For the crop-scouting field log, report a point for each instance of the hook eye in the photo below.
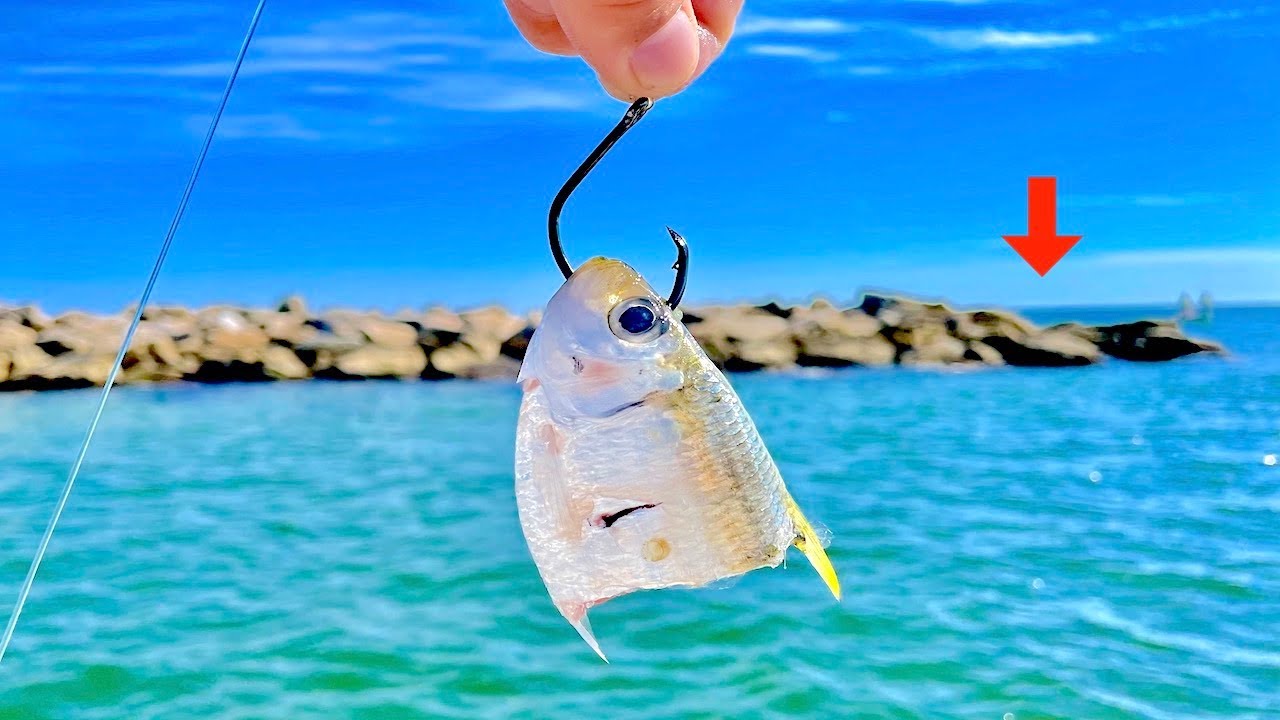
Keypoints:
(632, 116)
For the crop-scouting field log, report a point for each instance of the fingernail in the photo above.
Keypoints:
(708, 50)
(667, 59)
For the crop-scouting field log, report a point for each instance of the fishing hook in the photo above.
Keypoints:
(633, 115)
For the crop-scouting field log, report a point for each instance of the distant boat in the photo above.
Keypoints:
(1206, 306)
(1188, 312)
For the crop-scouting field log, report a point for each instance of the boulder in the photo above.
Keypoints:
(442, 320)
(378, 362)
(1150, 341)
(491, 323)
(389, 333)
(15, 335)
(1048, 348)
(844, 352)
(232, 350)
(183, 329)
(328, 342)
(27, 362)
(829, 320)
(745, 339)
(293, 305)
(931, 345)
(826, 337)
(244, 344)
(82, 334)
(281, 363)
(982, 324)
(439, 327)
(485, 334)
(1084, 332)
(79, 370)
(230, 335)
(286, 328)
(751, 355)
(479, 353)
(341, 323)
(455, 360)
(32, 372)
(918, 334)
(903, 313)
(153, 356)
(28, 316)
(981, 352)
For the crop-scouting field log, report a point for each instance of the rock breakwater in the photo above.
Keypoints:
(229, 344)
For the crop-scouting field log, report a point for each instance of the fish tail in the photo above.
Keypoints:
(810, 544)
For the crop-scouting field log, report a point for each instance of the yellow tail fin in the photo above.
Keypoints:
(808, 542)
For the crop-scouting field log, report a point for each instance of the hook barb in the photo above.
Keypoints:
(632, 116)
(681, 266)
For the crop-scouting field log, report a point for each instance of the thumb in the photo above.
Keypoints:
(638, 47)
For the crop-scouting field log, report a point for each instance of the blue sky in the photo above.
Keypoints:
(390, 154)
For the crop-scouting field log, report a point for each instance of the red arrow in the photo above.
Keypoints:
(1042, 247)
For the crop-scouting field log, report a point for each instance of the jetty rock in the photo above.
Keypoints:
(293, 342)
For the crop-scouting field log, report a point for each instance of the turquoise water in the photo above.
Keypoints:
(1097, 542)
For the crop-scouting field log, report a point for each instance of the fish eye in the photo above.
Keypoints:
(637, 320)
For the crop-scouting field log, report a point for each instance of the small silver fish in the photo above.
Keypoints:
(637, 467)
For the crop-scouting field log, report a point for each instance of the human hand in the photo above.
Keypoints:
(651, 48)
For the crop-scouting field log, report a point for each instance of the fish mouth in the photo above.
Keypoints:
(607, 520)
(618, 410)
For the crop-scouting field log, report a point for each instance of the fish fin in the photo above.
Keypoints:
(810, 543)
(576, 614)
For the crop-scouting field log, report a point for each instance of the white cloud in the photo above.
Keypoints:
(1150, 200)
(317, 43)
(948, 67)
(761, 25)
(272, 125)
(1179, 22)
(497, 93)
(993, 38)
(798, 52)
(872, 70)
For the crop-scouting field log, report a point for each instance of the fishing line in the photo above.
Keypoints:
(128, 338)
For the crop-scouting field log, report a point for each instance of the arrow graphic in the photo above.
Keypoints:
(1042, 247)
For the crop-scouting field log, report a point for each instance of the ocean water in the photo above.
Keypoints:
(1097, 542)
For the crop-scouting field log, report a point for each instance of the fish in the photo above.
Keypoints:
(636, 465)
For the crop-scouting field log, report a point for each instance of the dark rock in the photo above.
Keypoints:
(981, 352)
(1150, 341)
(228, 371)
(515, 346)
(774, 308)
(1050, 348)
